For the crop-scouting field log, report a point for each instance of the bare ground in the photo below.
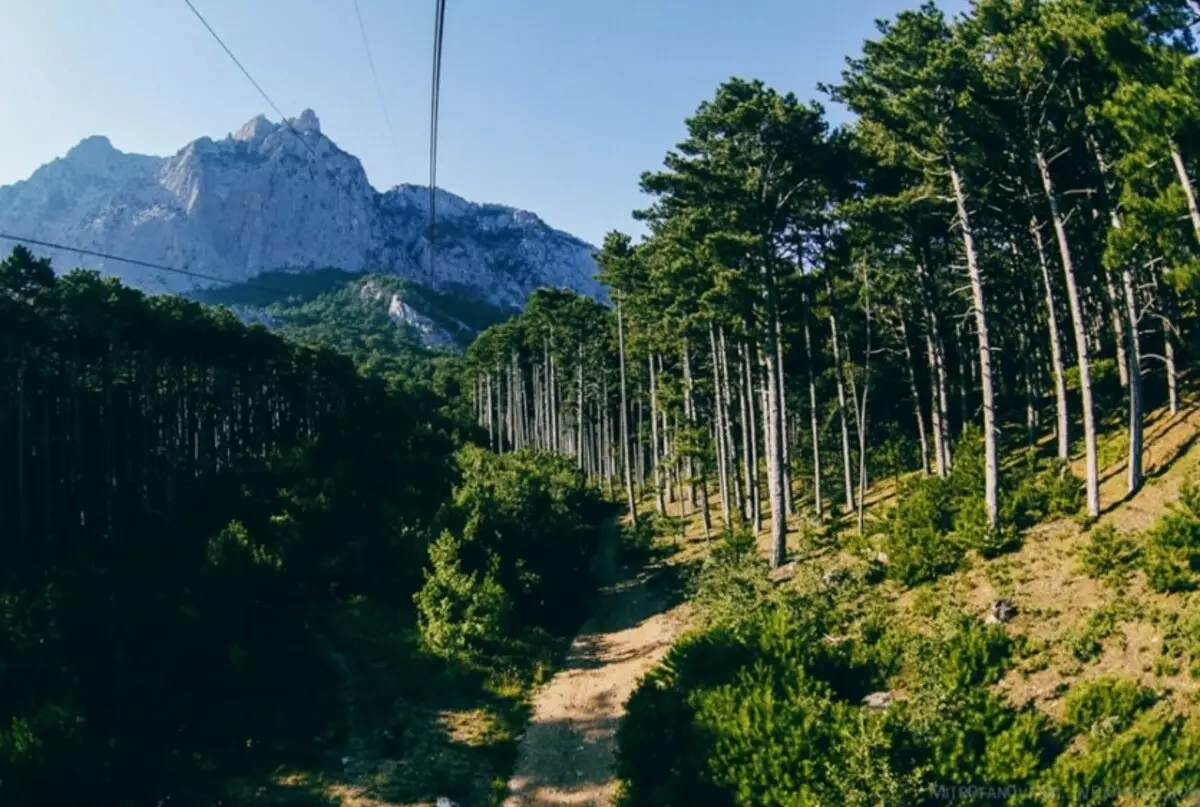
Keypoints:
(566, 755)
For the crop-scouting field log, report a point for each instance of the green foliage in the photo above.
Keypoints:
(920, 543)
(936, 520)
(732, 582)
(1110, 555)
(1086, 640)
(1172, 558)
(1106, 705)
(531, 521)
(461, 616)
(199, 505)
(771, 714)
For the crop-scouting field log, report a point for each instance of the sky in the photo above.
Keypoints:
(554, 106)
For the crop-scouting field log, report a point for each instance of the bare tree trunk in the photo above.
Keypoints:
(785, 469)
(1135, 384)
(1188, 190)
(719, 414)
(1056, 361)
(916, 398)
(1167, 319)
(655, 456)
(936, 406)
(861, 413)
(1118, 326)
(730, 443)
(773, 426)
(812, 404)
(689, 415)
(1081, 343)
(625, 419)
(579, 404)
(749, 440)
(991, 475)
(841, 391)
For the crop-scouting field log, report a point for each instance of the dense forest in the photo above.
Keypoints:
(202, 522)
(1004, 244)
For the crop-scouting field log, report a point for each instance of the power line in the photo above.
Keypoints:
(20, 239)
(435, 98)
(378, 89)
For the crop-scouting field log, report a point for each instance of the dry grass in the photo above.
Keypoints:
(1056, 600)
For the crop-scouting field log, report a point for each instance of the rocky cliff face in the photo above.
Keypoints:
(263, 199)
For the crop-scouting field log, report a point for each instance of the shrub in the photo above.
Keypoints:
(732, 584)
(1109, 555)
(773, 716)
(533, 522)
(920, 546)
(1106, 705)
(461, 615)
(1086, 641)
(1173, 544)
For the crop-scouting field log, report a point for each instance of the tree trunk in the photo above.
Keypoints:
(861, 413)
(1135, 384)
(1081, 343)
(579, 403)
(916, 398)
(731, 446)
(773, 428)
(785, 469)
(625, 419)
(936, 405)
(991, 475)
(1118, 326)
(719, 413)
(655, 456)
(1188, 190)
(749, 440)
(1056, 361)
(841, 391)
(812, 404)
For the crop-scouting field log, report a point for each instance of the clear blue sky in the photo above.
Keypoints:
(555, 106)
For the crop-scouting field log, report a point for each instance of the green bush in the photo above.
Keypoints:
(1110, 555)
(1106, 705)
(731, 585)
(773, 715)
(532, 521)
(1155, 761)
(1173, 544)
(920, 546)
(461, 616)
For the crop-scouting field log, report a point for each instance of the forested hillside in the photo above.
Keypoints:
(910, 353)
(237, 568)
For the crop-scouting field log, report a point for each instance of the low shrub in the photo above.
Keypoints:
(1106, 705)
(775, 716)
(1110, 555)
(1173, 544)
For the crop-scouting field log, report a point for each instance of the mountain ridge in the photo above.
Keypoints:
(257, 201)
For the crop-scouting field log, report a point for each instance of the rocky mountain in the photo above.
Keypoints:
(274, 197)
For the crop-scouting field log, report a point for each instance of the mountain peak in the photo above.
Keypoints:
(307, 122)
(255, 201)
(254, 128)
(96, 146)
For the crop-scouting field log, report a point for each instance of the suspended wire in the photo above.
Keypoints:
(378, 89)
(257, 86)
(21, 239)
(435, 98)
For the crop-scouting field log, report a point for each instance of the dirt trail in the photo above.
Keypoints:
(566, 754)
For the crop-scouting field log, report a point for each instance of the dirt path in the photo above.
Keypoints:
(567, 753)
